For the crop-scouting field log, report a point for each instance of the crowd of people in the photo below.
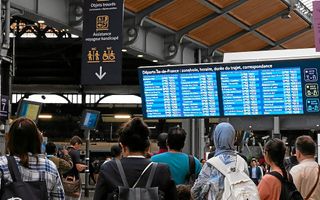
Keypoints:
(166, 174)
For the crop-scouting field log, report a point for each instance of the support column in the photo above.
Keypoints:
(186, 125)
(201, 137)
(5, 67)
(319, 148)
(87, 159)
(276, 128)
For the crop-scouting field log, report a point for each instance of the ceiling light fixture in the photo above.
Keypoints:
(122, 116)
(124, 50)
(41, 21)
(155, 61)
(45, 116)
(140, 56)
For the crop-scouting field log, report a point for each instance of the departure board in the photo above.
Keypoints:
(264, 88)
(262, 92)
(179, 93)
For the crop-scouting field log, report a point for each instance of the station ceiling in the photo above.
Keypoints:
(211, 25)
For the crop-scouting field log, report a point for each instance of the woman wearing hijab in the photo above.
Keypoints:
(210, 182)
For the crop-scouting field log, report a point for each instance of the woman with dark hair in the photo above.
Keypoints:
(134, 140)
(24, 144)
(269, 186)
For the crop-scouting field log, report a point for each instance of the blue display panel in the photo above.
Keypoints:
(89, 119)
(29, 109)
(262, 92)
(176, 93)
(241, 92)
(282, 87)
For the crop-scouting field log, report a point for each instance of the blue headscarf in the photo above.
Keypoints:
(223, 138)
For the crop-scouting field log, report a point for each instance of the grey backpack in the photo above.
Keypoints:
(126, 192)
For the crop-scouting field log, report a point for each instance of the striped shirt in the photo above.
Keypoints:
(44, 170)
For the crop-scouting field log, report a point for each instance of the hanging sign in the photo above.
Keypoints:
(102, 42)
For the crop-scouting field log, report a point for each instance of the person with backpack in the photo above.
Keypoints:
(74, 192)
(277, 184)
(37, 176)
(125, 178)
(63, 164)
(226, 174)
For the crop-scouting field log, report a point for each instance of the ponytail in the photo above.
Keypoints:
(283, 169)
(276, 152)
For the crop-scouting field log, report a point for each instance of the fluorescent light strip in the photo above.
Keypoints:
(122, 116)
(45, 116)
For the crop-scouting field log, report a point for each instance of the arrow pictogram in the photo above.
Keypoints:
(101, 75)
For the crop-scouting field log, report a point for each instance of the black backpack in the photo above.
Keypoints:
(288, 189)
(126, 192)
(18, 189)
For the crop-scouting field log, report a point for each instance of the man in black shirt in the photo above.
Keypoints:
(75, 145)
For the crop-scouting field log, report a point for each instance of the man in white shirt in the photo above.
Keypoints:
(305, 174)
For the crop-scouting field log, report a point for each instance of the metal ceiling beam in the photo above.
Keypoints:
(54, 13)
(58, 89)
(283, 40)
(112, 89)
(246, 27)
(160, 26)
(227, 40)
(251, 29)
(237, 22)
(42, 88)
(146, 12)
(209, 18)
(298, 10)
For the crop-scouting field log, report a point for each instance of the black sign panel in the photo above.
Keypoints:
(4, 107)
(102, 42)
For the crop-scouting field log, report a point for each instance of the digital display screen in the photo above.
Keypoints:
(283, 87)
(29, 110)
(262, 92)
(90, 119)
(182, 92)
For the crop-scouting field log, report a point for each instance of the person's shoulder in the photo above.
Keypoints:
(269, 178)
(159, 156)
(3, 161)
(48, 162)
(73, 151)
(242, 160)
(108, 164)
(54, 159)
(297, 169)
(298, 166)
